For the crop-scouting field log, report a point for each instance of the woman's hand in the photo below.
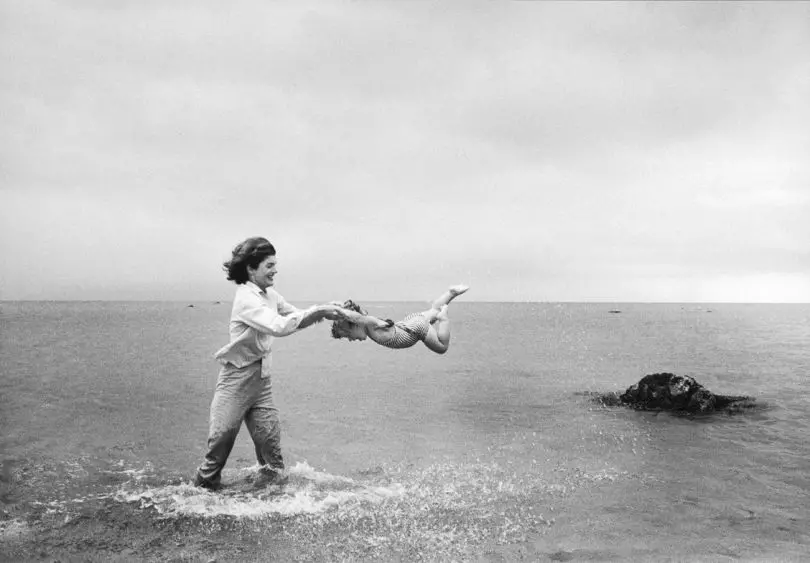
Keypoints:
(320, 312)
(333, 312)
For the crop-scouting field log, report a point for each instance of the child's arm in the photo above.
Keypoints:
(367, 321)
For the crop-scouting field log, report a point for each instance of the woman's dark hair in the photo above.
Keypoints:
(251, 252)
(352, 306)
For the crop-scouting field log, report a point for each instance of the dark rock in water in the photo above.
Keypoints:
(678, 393)
(614, 311)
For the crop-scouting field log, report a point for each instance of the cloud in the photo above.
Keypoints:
(538, 150)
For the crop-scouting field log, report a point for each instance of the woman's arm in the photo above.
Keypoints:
(320, 312)
(285, 308)
(270, 322)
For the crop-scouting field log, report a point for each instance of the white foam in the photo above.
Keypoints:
(450, 507)
(305, 471)
(307, 492)
(136, 474)
(13, 529)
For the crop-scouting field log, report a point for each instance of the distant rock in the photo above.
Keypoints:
(678, 393)
(614, 311)
(190, 305)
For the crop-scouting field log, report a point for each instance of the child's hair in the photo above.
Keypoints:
(352, 306)
(250, 252)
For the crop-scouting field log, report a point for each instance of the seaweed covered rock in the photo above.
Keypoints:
(671, 392)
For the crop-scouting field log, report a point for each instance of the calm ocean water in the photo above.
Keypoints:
(489, 452)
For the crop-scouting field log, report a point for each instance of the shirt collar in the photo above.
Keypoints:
(254, 288)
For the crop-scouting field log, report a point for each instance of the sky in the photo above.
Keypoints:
(537, 151)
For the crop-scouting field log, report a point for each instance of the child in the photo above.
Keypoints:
(431, 327)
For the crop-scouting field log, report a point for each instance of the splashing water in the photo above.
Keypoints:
(307, 492)
(438, 512)
(448, 508)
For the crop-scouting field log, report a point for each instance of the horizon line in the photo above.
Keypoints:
(586, 301)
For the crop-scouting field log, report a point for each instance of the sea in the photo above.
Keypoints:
(494, 451)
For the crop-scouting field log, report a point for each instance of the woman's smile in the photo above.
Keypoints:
(264, 273)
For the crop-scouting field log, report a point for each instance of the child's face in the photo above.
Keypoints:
(351, 331)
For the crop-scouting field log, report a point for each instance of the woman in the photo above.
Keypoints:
(243, 390)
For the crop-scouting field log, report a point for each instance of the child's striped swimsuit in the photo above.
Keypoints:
(405, 333)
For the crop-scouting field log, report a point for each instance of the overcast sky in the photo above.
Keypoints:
(538, 151)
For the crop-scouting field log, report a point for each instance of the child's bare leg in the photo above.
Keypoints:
(438, 337)
(431, 315)
(452, 292)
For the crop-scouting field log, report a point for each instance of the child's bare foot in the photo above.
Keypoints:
(456, 290)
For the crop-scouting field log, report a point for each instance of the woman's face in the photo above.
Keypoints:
(264, 273)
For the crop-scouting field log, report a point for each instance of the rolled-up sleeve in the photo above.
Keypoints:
(285, 308)
(267, 321)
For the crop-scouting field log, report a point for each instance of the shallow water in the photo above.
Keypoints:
(490, 452)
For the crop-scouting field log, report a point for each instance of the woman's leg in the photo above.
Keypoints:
(452, 292)
(231, 399)
(438, 337)
(263, 424)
